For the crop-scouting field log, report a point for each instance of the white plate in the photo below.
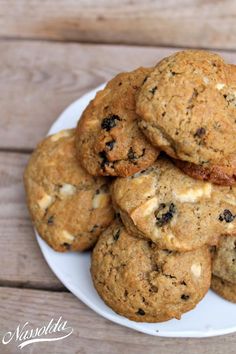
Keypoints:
(213, 316)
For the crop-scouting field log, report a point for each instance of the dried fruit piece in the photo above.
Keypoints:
(109, 122)
(164, 213)
(140, 312)
(227, 216)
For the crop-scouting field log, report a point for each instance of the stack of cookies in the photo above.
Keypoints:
(149, 176)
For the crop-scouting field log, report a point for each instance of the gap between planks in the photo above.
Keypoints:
(117, 44)
(31, 286)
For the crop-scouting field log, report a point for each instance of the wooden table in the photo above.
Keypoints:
(44, 66)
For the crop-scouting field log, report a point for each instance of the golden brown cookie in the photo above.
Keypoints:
(187, 108)
(172, 209)
(224, 288)
(224, 259)
(143, 283)
(222, 175)
(108, 139)
(69, 208)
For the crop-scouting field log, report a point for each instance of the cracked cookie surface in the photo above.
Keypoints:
(69, 208)
(143, 283)
(224, 288)
(224, 258)
(172, 209)
(187, 108)
(109, 141)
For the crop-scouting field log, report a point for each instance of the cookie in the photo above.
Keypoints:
(172, 209)
(69, 208)
(222, 175)
(146, 284)
(224, 288)
(187, 108)
(108, 139)
(224, 259)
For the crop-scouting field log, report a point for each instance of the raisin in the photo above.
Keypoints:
(151, 244)
(110, 144)
(153, 90)
(227, 216)
(116, 235)
(164, 214)
(105, 161)
(66, 245)
(184, 297)
(140, 312)
(200, 132)
(50, 220)
(109, 122)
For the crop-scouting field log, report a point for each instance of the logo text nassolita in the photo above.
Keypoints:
(25, 334)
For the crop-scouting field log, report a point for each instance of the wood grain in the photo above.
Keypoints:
(209, 24)
(22, 263)
(39, 79)
(92, 333)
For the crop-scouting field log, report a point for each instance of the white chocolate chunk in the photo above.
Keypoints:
(196, 269)
(230, 226)
(192, 195)
(67, 237)
(219, 86)
(101, 200)
(61, 134)
(45, 201)
(145, 210)
(149, 207)
(67, 190)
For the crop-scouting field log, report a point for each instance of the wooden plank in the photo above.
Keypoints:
(92, 333)
(209, 24)
(39, 79)
(22, 263)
